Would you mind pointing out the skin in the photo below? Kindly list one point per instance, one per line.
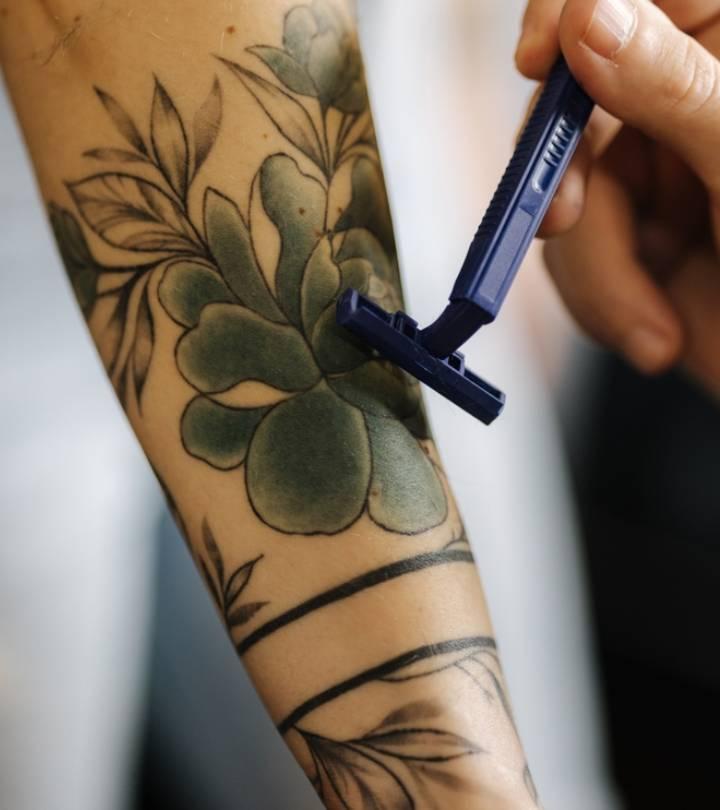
(633, 233)
(206, 223)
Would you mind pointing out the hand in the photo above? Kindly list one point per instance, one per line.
(634, 231)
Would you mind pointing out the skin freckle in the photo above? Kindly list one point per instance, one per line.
(301, 211)
(230, 29)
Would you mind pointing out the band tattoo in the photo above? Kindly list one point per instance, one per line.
(402, 762)
(343, 433)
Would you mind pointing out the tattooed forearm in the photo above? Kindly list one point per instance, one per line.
(207, 234)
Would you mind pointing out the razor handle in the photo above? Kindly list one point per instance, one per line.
(516, 212)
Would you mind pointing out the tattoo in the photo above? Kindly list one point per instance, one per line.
(386, 762)
(408, 760)
(167, 267)
(343, 433)
(348, 589)
(227, 590)
(405, 667)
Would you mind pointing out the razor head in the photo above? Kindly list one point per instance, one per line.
(397, 337)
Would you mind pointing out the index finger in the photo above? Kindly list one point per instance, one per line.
(539, 44)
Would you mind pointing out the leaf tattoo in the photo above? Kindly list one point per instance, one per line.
(206, 125)
(381, 769)
(291, 118)
(133, 214)
(169, 141)
(123, 122)
(227, 591)
(334, 409)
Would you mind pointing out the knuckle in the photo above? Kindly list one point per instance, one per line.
(692, 88)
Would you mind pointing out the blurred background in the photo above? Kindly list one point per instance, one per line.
(590, 506)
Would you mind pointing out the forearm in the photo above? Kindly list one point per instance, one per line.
(208, 219)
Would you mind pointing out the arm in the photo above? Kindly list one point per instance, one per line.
(213, 182)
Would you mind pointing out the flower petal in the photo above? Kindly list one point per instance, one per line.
(336, 349)
(406, 494)
(380, 389)
(231, 246)
(187, 287)
(369, 207)
(308, 466)
(359, 243)
(327, 65)
(295, 203)
(328, 17)
(287, 69)
(218, 435)
(356, 273)
(232, 344)
(320, 285)
(300, 28)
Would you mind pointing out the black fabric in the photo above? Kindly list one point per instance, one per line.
(647, 472)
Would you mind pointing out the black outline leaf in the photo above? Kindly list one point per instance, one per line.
(144, 343)
(412, 712)
(206, 124)
(239, 581)
(169, 140)
(350, 777)
(286, 69)
(244, 613)
(115, 329)
(420, 745)
(291, 119)
(213, 551)
(115, 155)
(123, 122)
(444, 777)
(134, 214)
(212, 585)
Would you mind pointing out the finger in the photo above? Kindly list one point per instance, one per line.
(690, 15)
(605, 287)
(567, 206)
(639, 67)
(539, 46)
(696, 294)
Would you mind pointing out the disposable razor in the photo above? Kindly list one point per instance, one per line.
(511, 223)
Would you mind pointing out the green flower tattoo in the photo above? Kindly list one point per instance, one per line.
(343, 433)
(319, 58)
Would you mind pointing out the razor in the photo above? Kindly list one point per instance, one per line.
(521, 201)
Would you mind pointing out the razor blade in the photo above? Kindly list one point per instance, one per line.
(513, 218)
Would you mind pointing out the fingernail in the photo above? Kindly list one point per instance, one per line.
(648, 349)
(612, 27)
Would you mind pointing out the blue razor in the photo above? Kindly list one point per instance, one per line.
(511, 223)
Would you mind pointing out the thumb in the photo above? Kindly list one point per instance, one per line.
(636, 64)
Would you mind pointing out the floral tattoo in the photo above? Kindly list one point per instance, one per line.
(341, 422)
(315, 430)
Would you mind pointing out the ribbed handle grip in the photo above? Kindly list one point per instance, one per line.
(532, 137)
(550, 136)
